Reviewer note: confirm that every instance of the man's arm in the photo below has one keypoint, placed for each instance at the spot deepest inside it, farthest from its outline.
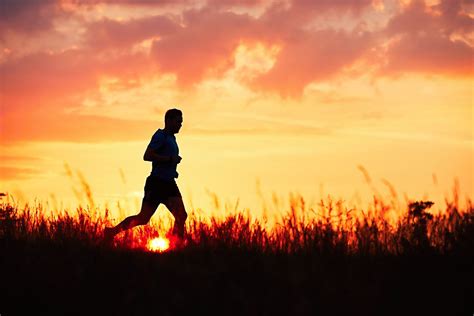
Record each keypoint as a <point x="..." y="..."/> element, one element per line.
<point x="151" y="155"/>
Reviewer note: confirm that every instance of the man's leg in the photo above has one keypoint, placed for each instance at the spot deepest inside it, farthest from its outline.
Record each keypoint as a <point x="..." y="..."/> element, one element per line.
<point x="147" y="210"/>
<point x="176" y="206"/>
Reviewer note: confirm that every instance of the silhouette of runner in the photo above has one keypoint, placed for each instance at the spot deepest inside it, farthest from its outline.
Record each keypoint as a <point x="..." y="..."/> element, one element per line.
<point x="160" y="185"/>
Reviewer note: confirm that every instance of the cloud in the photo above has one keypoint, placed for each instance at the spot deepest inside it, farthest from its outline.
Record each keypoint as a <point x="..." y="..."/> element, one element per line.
<point x="288" y="16"/>
<point x="445" y="18"/>
<point x="154" y="3"/>
<point x="429" y="39"/>
<point x="27" y="16"/>
<point x="109" y="34"/>
<point x="429" y="53"/>
<point x="201" y="43"/>
<point x="206" y="43"/>
<point x="42" y="82"/>
<point x="43" y="87"/>
<point x="455" y="15"/>
<point x="233" y="3"/>
<point x="196" y="43"/>
<point x="43" y="75"/>
<point x="313" y="56"/>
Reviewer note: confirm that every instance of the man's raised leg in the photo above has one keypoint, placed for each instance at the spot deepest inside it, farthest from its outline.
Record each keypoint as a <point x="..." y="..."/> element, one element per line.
<point x="141" y="218"/>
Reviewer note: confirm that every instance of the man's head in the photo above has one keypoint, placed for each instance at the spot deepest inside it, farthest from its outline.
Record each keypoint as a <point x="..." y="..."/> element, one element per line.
<point x="173" y="120"/>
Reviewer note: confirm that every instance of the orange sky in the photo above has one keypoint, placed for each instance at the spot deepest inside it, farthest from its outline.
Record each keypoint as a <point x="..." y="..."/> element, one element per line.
<point x="278" y="97"/>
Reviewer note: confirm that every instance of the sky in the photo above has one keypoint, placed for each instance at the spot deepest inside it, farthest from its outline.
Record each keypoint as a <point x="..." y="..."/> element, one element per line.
<point x="346" y="98"/>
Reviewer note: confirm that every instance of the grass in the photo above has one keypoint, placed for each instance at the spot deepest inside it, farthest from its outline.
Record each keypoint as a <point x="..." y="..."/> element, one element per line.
<point x="329" y="260"/>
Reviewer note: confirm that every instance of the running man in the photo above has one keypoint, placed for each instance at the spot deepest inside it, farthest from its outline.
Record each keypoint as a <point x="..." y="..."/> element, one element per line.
<point x="160" y="185"/>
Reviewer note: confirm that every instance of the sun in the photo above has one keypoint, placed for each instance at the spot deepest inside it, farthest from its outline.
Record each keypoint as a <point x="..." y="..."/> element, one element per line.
<point x="158" y="244"/>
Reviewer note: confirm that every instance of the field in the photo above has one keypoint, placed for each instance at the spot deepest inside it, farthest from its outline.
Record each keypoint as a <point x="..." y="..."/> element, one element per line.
<point x="331" y="260"/>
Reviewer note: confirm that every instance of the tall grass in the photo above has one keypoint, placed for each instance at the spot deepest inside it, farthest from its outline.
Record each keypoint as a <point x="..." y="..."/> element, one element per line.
<point x="329" y="260"/>
<point x="331" y="229"/>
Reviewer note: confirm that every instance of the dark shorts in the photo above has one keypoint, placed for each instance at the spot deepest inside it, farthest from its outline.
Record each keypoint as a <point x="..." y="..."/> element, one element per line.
<point x="158" y="191"/>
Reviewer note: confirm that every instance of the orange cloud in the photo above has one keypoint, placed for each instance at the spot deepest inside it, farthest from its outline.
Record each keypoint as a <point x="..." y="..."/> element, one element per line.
<point x="45" y="82"/>
<point x="313" y="56"/>
<point x="206" y="43"/>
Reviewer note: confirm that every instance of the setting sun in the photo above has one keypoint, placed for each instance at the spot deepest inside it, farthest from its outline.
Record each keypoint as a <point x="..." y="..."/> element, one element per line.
<point x="158" y="244"/>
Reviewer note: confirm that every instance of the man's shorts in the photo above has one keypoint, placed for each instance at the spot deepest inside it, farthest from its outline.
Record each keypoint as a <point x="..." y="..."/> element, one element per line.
<point x="158" y="190"/>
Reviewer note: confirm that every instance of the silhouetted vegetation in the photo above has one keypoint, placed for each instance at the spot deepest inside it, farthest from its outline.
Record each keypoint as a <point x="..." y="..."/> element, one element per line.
<point x="325" y="261"/>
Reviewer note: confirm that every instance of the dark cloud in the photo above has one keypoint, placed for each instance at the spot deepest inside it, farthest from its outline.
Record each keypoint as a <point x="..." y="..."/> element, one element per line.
<point x="431" y="54"/>
<point x="429" y="40"/>
<point x="30" y="17"/>
<point x="111" y="34"/>
<point x="455" y="15"/>
<point x="132" y="2"/>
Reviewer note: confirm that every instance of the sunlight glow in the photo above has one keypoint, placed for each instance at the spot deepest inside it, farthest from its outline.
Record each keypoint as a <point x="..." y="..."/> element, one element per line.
<point x="158" y="244"/>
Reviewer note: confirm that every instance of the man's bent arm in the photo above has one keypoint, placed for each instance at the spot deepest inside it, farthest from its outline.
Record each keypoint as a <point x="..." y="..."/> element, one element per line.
<point x="151" y="155"/>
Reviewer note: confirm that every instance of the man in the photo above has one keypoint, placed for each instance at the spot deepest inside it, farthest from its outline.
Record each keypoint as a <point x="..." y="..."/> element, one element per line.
<point x="160" y="185"/>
